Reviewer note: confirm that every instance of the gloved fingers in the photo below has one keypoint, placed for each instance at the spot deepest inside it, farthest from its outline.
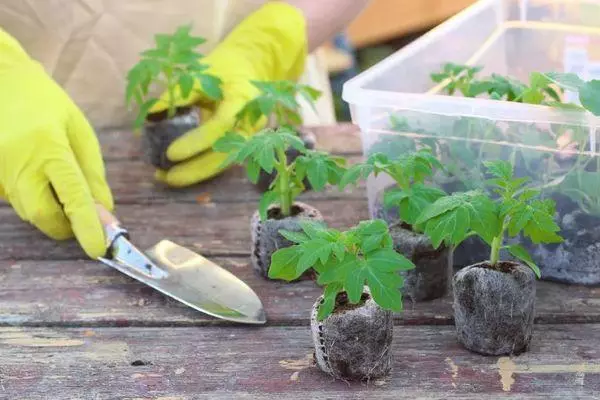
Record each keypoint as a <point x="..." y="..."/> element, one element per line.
<point x="198" y="169"/>
<point x="86" y="148"/>
<point x="38" y="205"/>
<point x="202" y="138"/>
<point x="78" y="203"/>
<point x="2" y="193"/>
<point x="196" y="95"/>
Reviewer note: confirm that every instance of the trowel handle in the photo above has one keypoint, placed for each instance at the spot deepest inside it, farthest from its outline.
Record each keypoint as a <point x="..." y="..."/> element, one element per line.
<point x="112" y="226"/>
<point x="106" y="217"/>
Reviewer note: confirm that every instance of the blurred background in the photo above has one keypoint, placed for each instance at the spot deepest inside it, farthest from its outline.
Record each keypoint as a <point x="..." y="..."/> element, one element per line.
<point x="383" y="28"/>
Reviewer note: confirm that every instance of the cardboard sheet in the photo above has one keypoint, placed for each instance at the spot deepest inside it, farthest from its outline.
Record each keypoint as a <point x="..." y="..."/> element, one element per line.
<point x="89" y="45"/>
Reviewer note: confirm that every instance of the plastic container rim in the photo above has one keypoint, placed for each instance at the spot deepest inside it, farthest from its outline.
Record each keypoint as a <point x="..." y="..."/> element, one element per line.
<point x="354" y="93"/>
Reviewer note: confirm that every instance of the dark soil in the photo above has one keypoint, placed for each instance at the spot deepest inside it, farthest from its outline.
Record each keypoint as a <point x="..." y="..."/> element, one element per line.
<point x="159" y="133"/>
<point x="432" y="276"/>
<point x="577" y="259"/>
<point x="266" y="238"/>
<point x="494" y="309"/>
<point x="265" y="179"/>
<point x="342" y="303"/>
<point x="354" y="343"/>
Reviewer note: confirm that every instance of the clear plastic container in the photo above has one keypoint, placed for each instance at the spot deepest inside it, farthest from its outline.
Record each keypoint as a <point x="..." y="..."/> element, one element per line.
<point x="397" y="107"/>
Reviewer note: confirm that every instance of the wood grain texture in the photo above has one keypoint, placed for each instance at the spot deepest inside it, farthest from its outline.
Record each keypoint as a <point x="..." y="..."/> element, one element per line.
<point x="276" y="362"/>
<point x="71" y="328"/>
<point x="210" y="228"/>
<point x="343" y="138"/>
<point x="86" y="293"/>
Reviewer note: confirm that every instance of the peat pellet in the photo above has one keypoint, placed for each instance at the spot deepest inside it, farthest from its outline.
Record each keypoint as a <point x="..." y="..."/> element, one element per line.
<point x="355" y="341"/>
<point x="432" y="275"/>
<point x="159" y="133"/>
<point x="494" y="309"/>
<point x="265" y="235"/>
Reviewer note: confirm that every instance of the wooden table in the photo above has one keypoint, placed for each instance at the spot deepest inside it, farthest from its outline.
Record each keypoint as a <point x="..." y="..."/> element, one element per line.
<point x="75" y="329"/>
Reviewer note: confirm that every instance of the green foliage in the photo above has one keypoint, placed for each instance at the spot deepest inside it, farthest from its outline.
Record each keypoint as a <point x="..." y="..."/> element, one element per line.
<point x="409" y="171"/>
<point x="173" y="63"/>
<point x="516" y="211"/>
<point x="540" y="90"/>
<point x="278" y="98"/>
<point x="266" y="151"/>
<point x="464" y="79"/>
<point x="459" y="77"/>
<point x="345" y="262"/>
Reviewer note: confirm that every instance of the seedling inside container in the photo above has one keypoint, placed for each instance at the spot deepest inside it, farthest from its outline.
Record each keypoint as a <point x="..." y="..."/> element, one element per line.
<point x="352" y="322"/>
<point x="494" y="300"/>
<point x="402" y="206"/>
<point x="278" y="208"/>
<point x="173" y="67"/>
<point x="278" y="103"/>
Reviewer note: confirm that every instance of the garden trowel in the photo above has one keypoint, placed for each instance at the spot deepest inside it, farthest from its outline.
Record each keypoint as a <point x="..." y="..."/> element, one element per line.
<point x="182" y="274"/>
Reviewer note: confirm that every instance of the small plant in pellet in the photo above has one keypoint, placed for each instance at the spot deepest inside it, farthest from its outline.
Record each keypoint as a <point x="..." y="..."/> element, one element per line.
<point x="174" y="68"/>
<point x="401" y="208"/>
<point x="494" y="301"/>
<point x="352" y="322"/>
<point x="278" y="103"/>
<point x="278" y="208"/>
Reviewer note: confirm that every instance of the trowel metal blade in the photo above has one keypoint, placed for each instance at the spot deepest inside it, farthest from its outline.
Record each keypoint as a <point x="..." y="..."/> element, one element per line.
<point x="201" y="284"/>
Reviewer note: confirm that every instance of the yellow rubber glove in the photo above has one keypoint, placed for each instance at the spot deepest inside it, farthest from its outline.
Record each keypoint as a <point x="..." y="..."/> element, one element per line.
<point x="51" y="169"/>
<point x="270" y="44"/>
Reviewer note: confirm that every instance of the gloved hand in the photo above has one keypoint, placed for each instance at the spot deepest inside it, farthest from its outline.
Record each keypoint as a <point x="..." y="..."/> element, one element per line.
<point x="51" y="169"/>
<point x="270" y="44"/>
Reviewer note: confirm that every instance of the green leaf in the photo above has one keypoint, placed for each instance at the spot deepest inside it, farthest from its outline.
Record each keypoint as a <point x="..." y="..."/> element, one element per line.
<point x="520" y="217"/>
<point x="541" y="228"/>
<point x="355" y="280"/>
<point x="186" y="83"/>
<point x="313" y="250"/>
<point x="522" y="254"/>
<point x="438" y="77"/>
<point x="143" y="113"/>
<point x="372" y="242"/>
<point x="266" y="200"/>
<point x="589" y="96"/>
<point x="355" y="173"/>
<point x="283" y="263"/>
<point x="451" y="218"/>
<point x="568" y="81"/>
<point x="484" y="216"/>
<point x="313" y="229"/>
<point x="538" y="80"/>
<point x="532" y="96"/>
<point x="440" y="207"/>
<point x="450" y="227"/>
<point x="419" y="198"/>
<point x="329" y="297"/>
<point x="385" y="290"/>
<point x="229" y="142"/>
<point x="317" y="173"/>
<point x="296" y="237"/>
<point x="500" y="169"/>
<point x="388" y="260"/>
<point x="211" y="86"/>
<point x="253" y="171"/>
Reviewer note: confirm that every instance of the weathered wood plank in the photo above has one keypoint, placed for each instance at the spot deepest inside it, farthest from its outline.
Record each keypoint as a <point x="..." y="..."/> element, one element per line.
<point x="86" y="293"/>
<point x="343" y="138"/>
<point x="132" y="182"/>
<point x="211" y="228"/>
<point x="273" y="363"/>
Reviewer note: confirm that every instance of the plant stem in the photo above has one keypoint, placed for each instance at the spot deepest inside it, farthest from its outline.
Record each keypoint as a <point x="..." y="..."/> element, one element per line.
<point x="497" y="245"/>
<point x="171" y="92"/>
<point x="284" y="183"/>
